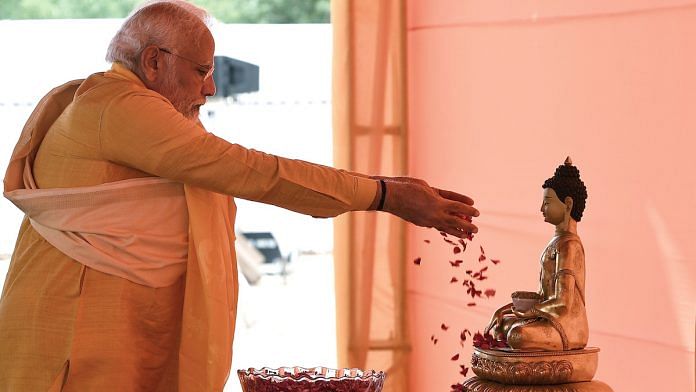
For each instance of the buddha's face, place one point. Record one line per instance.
(553, 209)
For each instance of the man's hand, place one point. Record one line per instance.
(417, 202)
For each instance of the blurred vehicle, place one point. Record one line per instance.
(249, 259)
(274, 261)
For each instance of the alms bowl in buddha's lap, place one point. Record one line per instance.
(318, 379)
(524, 300)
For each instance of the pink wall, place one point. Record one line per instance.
(498, 96)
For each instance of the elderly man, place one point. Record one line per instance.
(124, 275)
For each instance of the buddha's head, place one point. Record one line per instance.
(564, 195)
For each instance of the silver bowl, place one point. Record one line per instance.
(318, 379)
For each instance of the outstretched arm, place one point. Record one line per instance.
(417, 202)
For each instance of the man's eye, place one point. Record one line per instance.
(202, 72)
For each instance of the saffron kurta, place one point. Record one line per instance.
(64, 325)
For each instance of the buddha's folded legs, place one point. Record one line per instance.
(537, 334)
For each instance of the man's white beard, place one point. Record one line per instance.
(185, 106)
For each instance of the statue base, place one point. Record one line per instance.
(476, 384)
(515, 367)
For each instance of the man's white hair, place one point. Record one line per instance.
(161, 23)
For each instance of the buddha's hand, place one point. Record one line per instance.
(498, 316)
(495, 322)
(527, 314)
(417, 202)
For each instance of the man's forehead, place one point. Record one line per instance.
(202, 53)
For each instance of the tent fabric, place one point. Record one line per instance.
(499, 95)
(370, 137)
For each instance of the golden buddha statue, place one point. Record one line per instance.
(542, 336)
(558, 320)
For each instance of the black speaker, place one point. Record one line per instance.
(234, 76)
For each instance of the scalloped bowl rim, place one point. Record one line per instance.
(311, 374)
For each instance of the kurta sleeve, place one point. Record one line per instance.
(142, 130)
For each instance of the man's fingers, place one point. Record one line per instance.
(461, 217)
(463, 210)
(458, 227)
(452, 231)
(455, 196)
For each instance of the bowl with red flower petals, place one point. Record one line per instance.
(318, 379)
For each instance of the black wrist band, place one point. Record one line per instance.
(380, 206)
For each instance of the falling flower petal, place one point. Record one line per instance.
(426, 241)
(482, 251)
(417, 261)
(464, 370)
(489, 293)
(444, 327)
(456, 250)
(455, 357)
(454, 280)
(482, 257)
(471, 304)
(495, 261)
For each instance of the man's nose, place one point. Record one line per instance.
(209, 87)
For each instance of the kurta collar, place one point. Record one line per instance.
(120, 71)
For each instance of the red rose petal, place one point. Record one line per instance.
(482, 257)
(454, 280)
(464, 370)
(471, 304)
(417, 261)
(482, 251)
(456, 250)
(455, 357)
(489, 293)
(426, 241)
(444, 327)
(495, 261)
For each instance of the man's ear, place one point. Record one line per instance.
(568, 201)
(150, 63)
